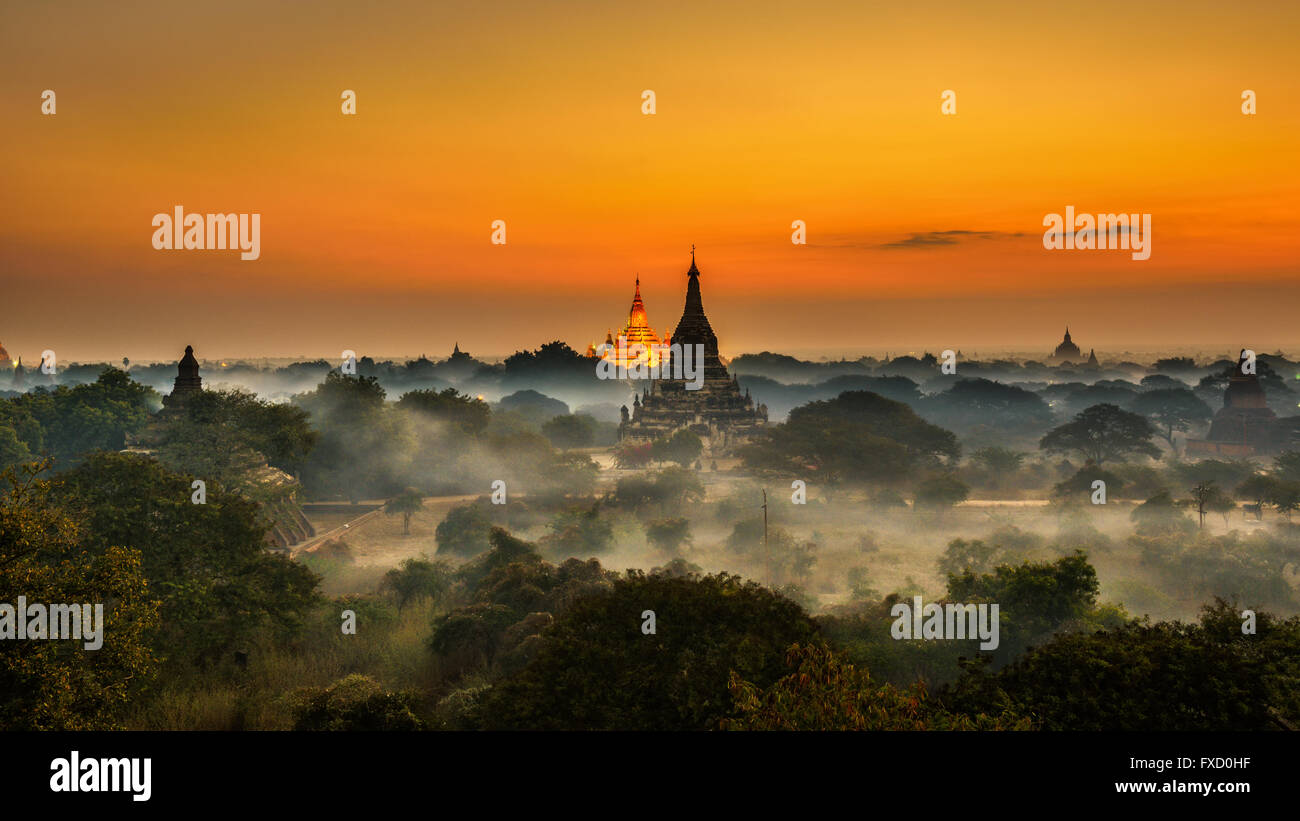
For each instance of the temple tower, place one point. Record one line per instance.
(717, 411)
(187, 383)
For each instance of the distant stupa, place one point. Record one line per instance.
(1067, 351)
(187, 382)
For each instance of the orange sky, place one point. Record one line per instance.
(376, 227)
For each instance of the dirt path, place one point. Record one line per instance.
(377, 539)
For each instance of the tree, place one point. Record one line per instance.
(668, 535)
(208, 563)
(856, 437)
(573, 431)
(362, 446)
(596, 669)
(94, 416)
(1223, 473)
(1040, 597)
(629, 454)
(1144, 677)
(1287, 465)
(1258, 489)
(225, 435)
(464, 413)
(1171, 409)
(1222, 504)
(408, 503)
(823, 692)
(1080, 486)
(465, 530)
(1285, 497)
(1207, 497)
(670, 489)
(533, 406)
(683, 447)
(13, 451)
(998, 460)
(56, 684)
(674, 487)
(566, 475)
(941, 491)
(1103, 432)
(977, 403)
(974, 555)
(579, 531)
(417, 579)
(1160, 513)
(355, 702)
(1265, 489)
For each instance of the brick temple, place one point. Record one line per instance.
(718, 412)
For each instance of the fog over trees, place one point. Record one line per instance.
(509, 563)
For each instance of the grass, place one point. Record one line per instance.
(392, 651)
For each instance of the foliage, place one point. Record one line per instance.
(214, 432)
(668, 535)
(363, 447)
(464, 530)
(823, 692)
(1036, 598)
(856, 437)
(1079, 487)
(355, 702)
(1101, 433)
(579, 531)
(683, 447)
(573, 431)
(1171, 409)
(407, 503)
(629, 454)
(207, 562)
(669, 490)
(1160, 514)
(462, 412)
(71, 421)
(1151, 677)
(941, 492)
(59, 685)
(596, 669)
(416, 579)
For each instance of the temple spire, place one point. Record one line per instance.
(694, 303)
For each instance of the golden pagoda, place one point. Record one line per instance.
(637, 341)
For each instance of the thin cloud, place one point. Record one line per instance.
(931, 239)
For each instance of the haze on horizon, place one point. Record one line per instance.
(924, 231)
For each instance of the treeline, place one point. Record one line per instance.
(521, 643)
(343, 440)
(512, 640)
